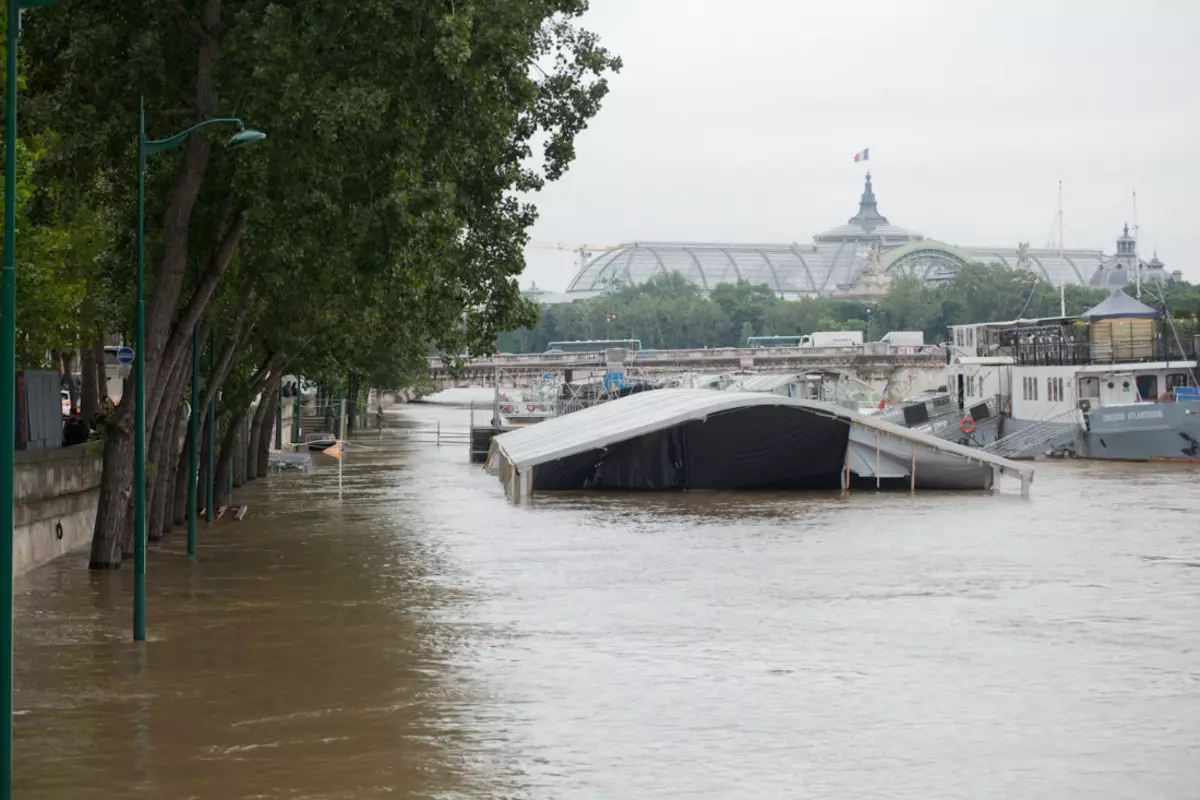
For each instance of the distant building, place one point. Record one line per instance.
(855, 260)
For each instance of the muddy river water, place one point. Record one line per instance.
(421, 638)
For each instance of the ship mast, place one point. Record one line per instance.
(1060, 221)
(1137, 266)
(1062, 284)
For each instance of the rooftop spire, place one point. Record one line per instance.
(868, 215)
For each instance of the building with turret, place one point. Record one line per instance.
(858, 259)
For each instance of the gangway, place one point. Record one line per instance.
(1052, 433)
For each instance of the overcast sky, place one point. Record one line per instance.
(739, 121)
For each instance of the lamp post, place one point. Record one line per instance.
(147, 147)
(8, 374)
(210, 458)
(193, 442)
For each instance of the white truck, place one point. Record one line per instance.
(904, 339)
(832, 339)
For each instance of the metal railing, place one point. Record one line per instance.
(710, 354)
(1065, 353)
(1047, 434)
(429, 434)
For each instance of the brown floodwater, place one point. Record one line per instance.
(422, 638)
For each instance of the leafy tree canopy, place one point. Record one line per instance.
(670, 312)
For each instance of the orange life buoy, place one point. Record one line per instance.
(508, 409)
(967, 425)
(531, 408)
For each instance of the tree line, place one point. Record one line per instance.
(669, 311)
(385, 212)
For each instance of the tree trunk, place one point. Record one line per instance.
(112, 514)
(256, 426)
(268, 428)
(163, 443)
(239, 454)
(164, 484)
(202, 474)
(89, 398)
(178, 346)
(179, 507)
(101, 375)
(112, 519)
(228, 453)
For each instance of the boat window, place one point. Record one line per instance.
(1147, 387)
(1089, 387)
(1177, 380)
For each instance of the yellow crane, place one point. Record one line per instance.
(584, 251)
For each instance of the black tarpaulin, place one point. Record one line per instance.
(760, 447)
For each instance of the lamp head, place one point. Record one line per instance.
(245, 137)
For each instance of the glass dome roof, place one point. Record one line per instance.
(834, 261)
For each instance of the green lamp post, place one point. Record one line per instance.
(8, 375)
(147, 147)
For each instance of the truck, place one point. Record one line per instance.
(904, 338)
(832, 339)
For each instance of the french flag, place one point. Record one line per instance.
(864, 155)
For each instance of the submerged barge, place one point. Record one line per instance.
(678, 439)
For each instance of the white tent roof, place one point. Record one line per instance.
(767, 382)
(638, 414)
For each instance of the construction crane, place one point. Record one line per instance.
(585, 252)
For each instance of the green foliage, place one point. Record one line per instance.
(381, 211)
(670, 312)
(59, 295)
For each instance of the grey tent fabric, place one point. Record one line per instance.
(672, 439)
(1119, 305)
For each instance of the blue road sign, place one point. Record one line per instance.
(125, 355)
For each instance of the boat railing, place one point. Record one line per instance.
(1068, 353)
(1046, 434)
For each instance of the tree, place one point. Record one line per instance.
(671, 311)
(378, 215)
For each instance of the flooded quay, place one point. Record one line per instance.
(422, 638)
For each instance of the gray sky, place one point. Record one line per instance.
(738, 121)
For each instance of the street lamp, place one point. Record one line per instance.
(8, 375)
(145, 148)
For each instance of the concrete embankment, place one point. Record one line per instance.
(56, 492)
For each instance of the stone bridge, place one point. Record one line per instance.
(907, 369)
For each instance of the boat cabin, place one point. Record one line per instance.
(1125, 384)
(1117, 353)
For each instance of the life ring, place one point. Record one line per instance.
(967, 425)
(508, 409)
(531, 408)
